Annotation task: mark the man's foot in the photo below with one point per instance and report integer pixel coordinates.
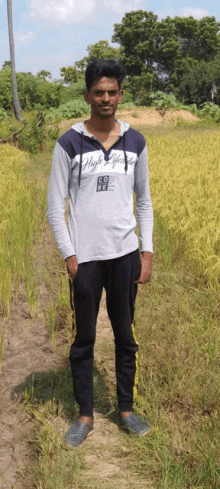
(135, 425)
(77, 433)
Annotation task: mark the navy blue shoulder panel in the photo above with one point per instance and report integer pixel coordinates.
(71, 143)
(134, 141)
(68, 142)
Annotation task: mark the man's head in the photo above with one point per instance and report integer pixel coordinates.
(109, 68)
(103, 80)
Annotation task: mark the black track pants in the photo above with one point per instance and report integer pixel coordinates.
(117, 276)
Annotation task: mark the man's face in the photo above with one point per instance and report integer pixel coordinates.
(104, 97)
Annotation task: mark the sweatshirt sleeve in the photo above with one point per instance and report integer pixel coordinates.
(56, 201)
(143, 202)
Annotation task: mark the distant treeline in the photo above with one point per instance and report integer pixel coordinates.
(179, 55)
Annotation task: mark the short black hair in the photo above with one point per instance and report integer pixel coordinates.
(110, 67)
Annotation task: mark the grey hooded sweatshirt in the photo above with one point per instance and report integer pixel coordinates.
(100, 184)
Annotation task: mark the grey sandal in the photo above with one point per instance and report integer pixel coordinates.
(77, 433)
(135, 425)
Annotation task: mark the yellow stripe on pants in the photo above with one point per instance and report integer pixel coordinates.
(135, 387)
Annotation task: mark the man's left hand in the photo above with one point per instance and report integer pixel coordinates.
(146, 267)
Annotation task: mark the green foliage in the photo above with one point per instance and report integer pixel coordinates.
(211, 110)
(127, 97)
(100, 49)
(194, 81)
(73, 91)
(76, 108)
(33, 91)
(6, 89)
(3, 114)
(140, 87)
(44, 74)
(180, 53)
(69, 74)
(164, 100)
(35, 136)
(31, 138)
(136, 35)
(6, 64)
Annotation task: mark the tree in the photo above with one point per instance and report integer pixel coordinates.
(100, 49)
(44, 74)
(137, 35)
(6, 64)
(16, 104)
(69, 74)
(33, 92)
(196, 80)
(150, 46)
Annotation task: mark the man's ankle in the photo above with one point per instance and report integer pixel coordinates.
(125, 414)
(86, 419)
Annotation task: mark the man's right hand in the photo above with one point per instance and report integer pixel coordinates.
(72, 266)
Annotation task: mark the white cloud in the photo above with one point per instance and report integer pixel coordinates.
(69, 11)
(60, 10)
(122, 6)
(197, 13)
(25, 37)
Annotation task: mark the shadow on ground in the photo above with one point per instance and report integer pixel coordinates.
(56, 386)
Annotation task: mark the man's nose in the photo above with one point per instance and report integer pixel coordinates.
(106, 97)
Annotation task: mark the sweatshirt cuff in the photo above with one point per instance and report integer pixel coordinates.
(67, 251)
(146, 246)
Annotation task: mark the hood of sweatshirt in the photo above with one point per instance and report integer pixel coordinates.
(80, 128)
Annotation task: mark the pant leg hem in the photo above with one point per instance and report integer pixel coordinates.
(86, 412)
(125, 407)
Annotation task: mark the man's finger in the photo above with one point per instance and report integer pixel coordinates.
(143, 280)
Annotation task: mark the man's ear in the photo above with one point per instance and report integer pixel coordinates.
(86, 96)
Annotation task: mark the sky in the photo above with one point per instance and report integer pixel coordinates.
(50, 34)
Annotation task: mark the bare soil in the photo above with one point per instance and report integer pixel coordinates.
(155, 117)
(27, 349)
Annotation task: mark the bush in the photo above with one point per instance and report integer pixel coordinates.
(33, 92)
(3, 114)
(35, 135)
(73, 92)
(164, 100)
(210, 110)
(76, 108)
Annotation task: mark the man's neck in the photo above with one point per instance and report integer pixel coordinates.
(101, 126)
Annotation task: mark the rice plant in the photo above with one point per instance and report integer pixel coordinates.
(185, 188)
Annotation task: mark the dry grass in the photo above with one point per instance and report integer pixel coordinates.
(21, 213)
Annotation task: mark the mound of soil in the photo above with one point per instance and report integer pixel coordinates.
(155, 117)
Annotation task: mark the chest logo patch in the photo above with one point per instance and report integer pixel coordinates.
(105, 183)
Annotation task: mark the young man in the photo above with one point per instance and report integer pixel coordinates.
(99, 163)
